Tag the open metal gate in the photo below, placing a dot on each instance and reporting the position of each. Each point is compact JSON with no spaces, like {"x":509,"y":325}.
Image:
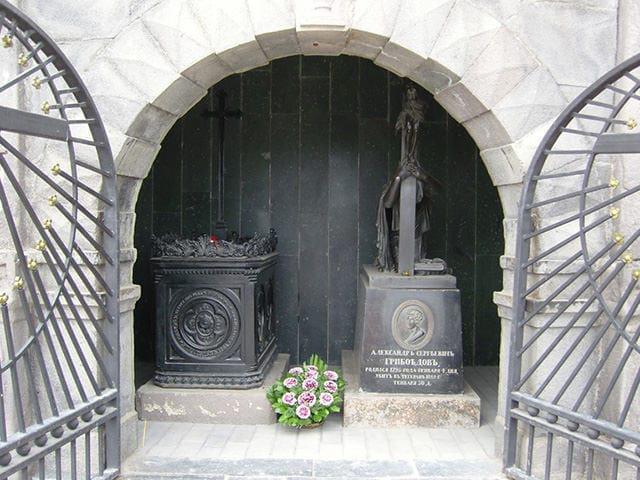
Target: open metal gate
{"x":573,"y":408}
{"x":59,"y":343}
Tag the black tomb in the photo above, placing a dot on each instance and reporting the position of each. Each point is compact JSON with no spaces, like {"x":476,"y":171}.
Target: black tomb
{"x":215,"y":316}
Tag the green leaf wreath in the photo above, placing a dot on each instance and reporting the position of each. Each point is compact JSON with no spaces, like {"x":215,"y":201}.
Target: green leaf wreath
{"x":306,"y":395}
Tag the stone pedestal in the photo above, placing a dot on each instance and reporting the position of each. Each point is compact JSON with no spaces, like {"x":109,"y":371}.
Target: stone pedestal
{"x":249,"y":407}
{"x":385,"y":410}
{"x":216,"y":326}
{"x":408,"y":334}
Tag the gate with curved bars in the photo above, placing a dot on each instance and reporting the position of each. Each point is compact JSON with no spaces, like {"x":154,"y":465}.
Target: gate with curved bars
{"x":59,"y":344}
{"x":573,"y":408}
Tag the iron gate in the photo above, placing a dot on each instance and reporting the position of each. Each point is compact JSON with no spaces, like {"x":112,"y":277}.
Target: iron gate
{"x":59,"y":343}
{"x":574,"y":369}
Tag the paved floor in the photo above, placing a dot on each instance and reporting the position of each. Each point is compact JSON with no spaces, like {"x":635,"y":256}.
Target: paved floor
{"x":196,"y":451}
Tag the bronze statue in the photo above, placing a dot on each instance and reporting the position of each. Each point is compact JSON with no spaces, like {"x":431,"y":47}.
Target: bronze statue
{"x":388,"y":221}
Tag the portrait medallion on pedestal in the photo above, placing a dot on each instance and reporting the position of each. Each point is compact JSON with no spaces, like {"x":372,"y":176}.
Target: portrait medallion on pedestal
{"x":412,"y":325}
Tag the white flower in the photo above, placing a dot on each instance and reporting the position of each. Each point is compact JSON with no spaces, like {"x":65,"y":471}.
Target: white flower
{"x":326,"y":399}
{"x":289,"y":399}
{"x":290,"y":382}
{"x":307,"y":398}
{"x":331,"y":375}
{"x":331,"y":386}
{"x":296,"y":371}
{"x":310,"y":384}
{"x":303,"y":412}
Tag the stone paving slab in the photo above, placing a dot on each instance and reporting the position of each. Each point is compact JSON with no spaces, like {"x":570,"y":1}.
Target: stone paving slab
{"x":177,"y":450}
{"x":292,"y":469}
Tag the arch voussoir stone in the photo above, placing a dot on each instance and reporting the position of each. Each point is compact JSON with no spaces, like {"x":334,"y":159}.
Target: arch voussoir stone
{"x":178,"y":31}
{"x":502,"y":65}
{"x":371,"y":26}
{"x":415,"y":32}
{"x":229,"y":28}
{"x":466,"y":33}
{"x":274,"y":27}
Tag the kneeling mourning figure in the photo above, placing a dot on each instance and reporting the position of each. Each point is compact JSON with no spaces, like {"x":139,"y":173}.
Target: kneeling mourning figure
{"x":216,"y":325}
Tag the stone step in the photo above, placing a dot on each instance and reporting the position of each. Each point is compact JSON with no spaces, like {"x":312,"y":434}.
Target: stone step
{"x":280,"y":469}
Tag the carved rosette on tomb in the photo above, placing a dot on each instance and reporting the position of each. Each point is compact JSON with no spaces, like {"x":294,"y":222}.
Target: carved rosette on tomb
{"x":214,"y":312}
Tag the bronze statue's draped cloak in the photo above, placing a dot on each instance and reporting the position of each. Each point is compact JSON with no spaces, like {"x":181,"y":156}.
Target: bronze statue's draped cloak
{"x":408,"y":124}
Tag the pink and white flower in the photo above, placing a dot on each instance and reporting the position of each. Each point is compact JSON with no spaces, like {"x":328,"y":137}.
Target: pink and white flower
{"x":310,"y":384}
{"x":312,"y":374}
{"x":289,"y":399}
{"x":296,"y":371}
{"x":307,"y":398}
{"x":331,"y":386}
{"x":303,"y":412}
{"x":290,"y":382}
{"x":326,"y":399}
{"x":311,"y":368}
{"x":331,"y":375}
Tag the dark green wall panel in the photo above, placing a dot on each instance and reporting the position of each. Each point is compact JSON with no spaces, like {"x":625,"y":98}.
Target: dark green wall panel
{"x":310,"y":156}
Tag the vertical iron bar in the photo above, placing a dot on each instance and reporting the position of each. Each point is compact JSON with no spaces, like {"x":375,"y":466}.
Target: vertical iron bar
{"x":3,"y":420}
{"x":58,"y":464}
{"x":614,"y":469}
{"x":74,"y":460}
{"x":569,"y":468}
{"x":531,"y":439}
{"x":87,"y":455}
{"x":13,"y":362}
{"x":547,"y":461}
{"x":101,"y":449}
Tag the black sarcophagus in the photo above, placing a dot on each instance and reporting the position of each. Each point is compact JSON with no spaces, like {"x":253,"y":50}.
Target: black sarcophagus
{"x":215,"y":313}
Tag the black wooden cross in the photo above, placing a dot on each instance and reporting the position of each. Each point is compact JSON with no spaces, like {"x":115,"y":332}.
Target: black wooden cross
{"x":220,"y":229}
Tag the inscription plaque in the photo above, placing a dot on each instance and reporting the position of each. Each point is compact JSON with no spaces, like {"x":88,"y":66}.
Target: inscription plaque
{"x":408,"y":336}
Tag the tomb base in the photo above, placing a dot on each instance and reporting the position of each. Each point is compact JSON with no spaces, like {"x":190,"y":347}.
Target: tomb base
{"x":408,"y":333}
{"x":368,"y":409}
{"x":219,"y":406}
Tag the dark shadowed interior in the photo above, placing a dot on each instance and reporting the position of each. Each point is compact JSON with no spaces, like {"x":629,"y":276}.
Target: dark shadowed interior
{"x":309,"y":157}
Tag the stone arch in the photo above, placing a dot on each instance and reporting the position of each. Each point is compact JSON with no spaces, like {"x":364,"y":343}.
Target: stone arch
{"x":157,"y":67}
{"x":164,"y":61}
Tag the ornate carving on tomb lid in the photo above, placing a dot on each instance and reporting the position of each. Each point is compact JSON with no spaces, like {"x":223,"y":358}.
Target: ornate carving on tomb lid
{"x":172,"y":245}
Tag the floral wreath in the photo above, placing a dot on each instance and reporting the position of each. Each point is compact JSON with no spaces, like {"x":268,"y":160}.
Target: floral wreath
{"x":307,"y":395}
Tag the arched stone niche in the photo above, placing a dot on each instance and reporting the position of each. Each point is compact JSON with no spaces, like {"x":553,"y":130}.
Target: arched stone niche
{"x":166,"y":54}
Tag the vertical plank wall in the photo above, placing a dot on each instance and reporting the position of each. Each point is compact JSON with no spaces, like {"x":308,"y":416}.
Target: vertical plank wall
{"x":309,"y":158}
